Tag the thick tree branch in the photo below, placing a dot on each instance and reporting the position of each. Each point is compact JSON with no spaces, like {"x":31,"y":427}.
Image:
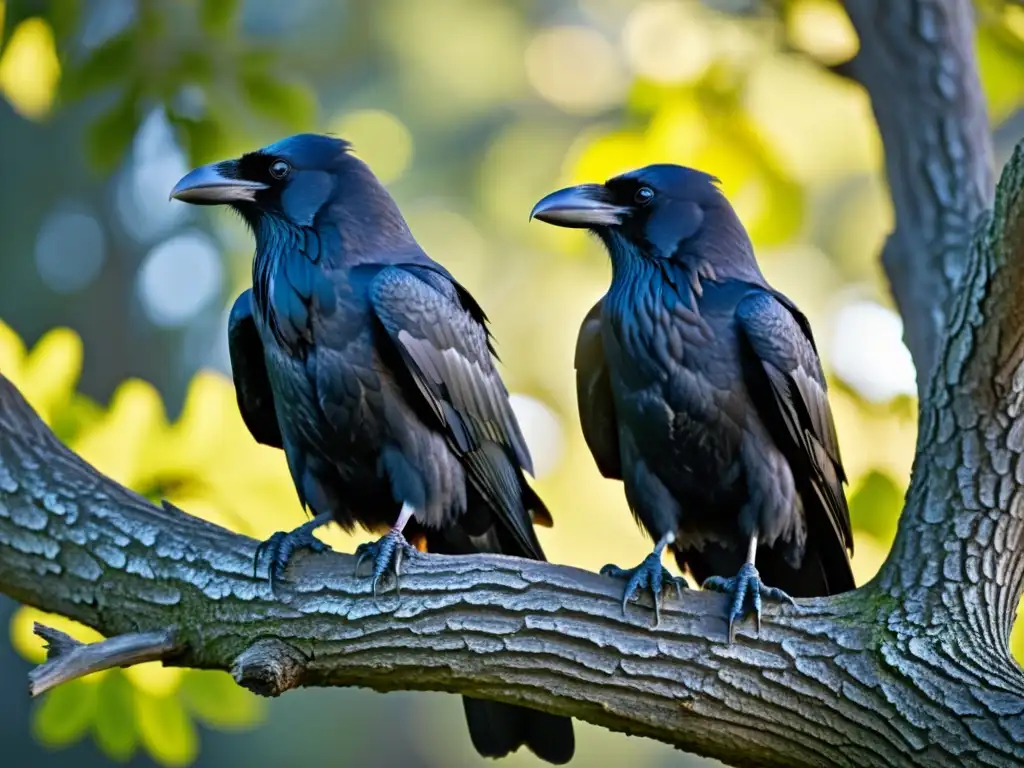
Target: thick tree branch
{"x":912,"y":669}
{"x":918,"y":65}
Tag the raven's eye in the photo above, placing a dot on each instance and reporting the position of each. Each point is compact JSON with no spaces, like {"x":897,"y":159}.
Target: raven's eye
{"x":279,"y":169}
{"x":643,"y":195}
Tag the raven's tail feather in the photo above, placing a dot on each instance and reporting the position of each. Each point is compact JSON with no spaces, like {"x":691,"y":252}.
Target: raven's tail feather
{"x":538,"y":510}
{"x":821,"y":573}
{"x":825,"y":568}
{"x":495,"y":728}
{"x":498,"y":729}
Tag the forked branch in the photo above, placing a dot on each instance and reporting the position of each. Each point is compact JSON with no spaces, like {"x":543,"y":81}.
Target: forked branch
{"x":67,"y":659}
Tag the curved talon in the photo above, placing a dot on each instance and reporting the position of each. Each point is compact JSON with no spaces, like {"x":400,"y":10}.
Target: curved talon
{"x":361,"y":555}
{"x":650,"y":573}
{"x":386,"y":553}
{"x":398,"y":570}
{"x":746,"y":582}
{"x":260,"y":549}
{"x":280,"y":547}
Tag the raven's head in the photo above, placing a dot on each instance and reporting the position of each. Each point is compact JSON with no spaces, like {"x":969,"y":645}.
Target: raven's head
{"x":306,"y":180}
{"x":658,"y":212}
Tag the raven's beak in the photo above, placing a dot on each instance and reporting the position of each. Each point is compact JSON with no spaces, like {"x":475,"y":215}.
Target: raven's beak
{"x":214,"y":184}
{"x":579,"y":207}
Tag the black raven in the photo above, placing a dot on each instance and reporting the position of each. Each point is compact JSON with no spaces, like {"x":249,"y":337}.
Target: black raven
{"x":372,"y":368}
{"x":700,"y":388}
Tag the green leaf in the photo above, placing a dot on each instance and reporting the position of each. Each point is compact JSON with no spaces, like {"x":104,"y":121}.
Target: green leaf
{"x":1001,"y":67}
{"x":106,"y":66}
{"x":646,"y":97}
{"x":65,"y":713}
{"x":110,"y":136}
{"x":784,"y":215}
{"x":875,"y":506}
{"x":289,"y":104}
{"x":114,"y":725}
{"x":219,"y":702}
{"x":257,"y":60}
{"x":166,"y":730}
{"x":204,"y":140}
{"x":151,"y":21}
{"x":79,"y":413}
{"x":192,"y":67}
{"x":217,"y":16}
{"x":64,"y":17}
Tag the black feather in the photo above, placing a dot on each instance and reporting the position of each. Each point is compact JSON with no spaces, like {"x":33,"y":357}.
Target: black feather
{"x":249,"y":373}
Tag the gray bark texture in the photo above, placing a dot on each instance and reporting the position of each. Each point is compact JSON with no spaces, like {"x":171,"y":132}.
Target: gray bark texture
{"x":913,"y":668}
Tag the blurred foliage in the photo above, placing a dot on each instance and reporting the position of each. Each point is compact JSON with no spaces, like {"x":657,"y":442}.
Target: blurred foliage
{"x":185,"y":56}
{"x":148,"y":706}
{"x":471,"y":110}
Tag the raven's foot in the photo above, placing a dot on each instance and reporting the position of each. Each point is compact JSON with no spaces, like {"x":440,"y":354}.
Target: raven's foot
{"x":746,"y":583}
{"x":649,"y":574}
{"x":280,"y":547}
{"x":387,"y":554}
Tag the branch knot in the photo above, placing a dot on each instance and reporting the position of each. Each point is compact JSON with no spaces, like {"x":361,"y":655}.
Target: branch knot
{"x":269,"y":667}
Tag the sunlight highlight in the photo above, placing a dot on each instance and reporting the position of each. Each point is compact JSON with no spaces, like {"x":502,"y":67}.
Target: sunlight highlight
{"x":576,"y":69}
{"x":379,"y":139}
{"x":29,"y":69}
{"x":868,"y":352}
{"x":666,"y":42}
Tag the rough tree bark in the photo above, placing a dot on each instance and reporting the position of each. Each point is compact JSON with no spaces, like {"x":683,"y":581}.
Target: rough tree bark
{"x":911,"y":669}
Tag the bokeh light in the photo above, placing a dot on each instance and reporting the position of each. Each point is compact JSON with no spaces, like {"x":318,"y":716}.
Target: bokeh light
{"x":379,"y":138}
{"x":542,"y":431}
{"x":29,"y":69}
{"x":70,"y":249}
{"x":820,"y":126}
{"x":450,"y":237}
{"x":665,"y":41}
{"x":156,"y":165}
{"x":179,"y":278}
{"x":868,"y":352}
{"x":575,"y":68}
{"x":478,"y":64}
{"x":822,"y":28}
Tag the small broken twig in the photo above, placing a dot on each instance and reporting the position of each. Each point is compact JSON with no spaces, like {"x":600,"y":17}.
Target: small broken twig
{"x":69,"y":659}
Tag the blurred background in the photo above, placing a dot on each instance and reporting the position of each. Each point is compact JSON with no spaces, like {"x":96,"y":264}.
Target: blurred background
{"x":113,"y":301}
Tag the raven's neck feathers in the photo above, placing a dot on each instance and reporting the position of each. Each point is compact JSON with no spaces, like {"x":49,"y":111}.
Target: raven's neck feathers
{"x":368,"y":225}
{"x":722,"y":243}
{"x":354,"y":227}
{"x":720,"y":250}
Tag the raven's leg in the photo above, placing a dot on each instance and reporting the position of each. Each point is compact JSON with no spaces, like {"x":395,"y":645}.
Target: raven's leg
{"x":282,"y":545}
{"x":387,"y":552}
{"x":650,"y":573}
{"x":746,"y":582}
